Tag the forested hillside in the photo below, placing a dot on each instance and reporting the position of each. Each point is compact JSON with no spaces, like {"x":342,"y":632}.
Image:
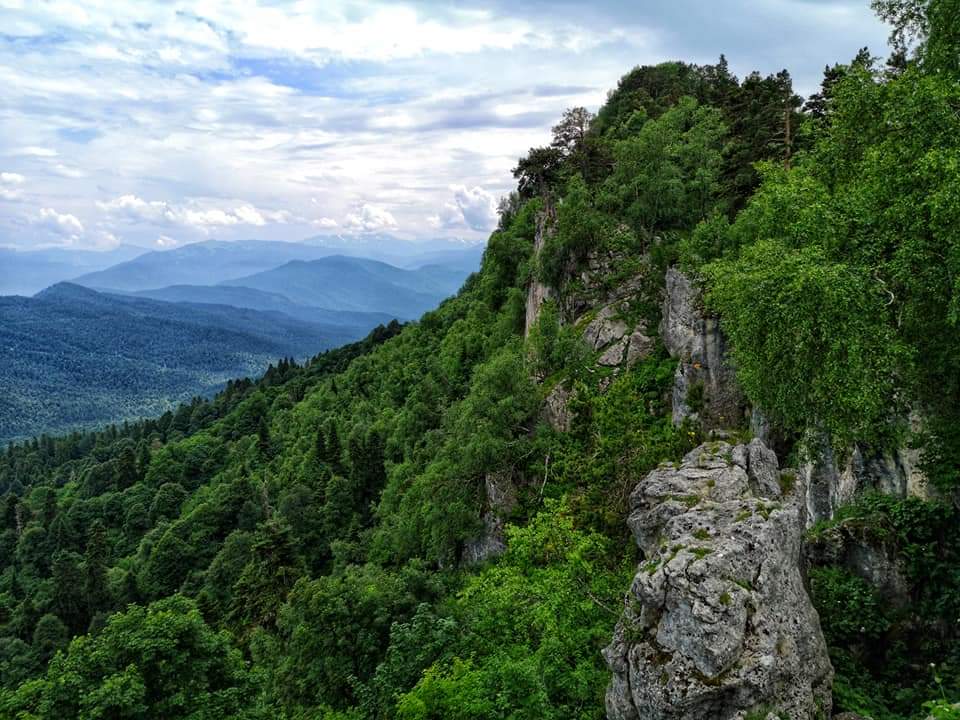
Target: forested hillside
{"x":432,"y":523}
{"x":72,"y":358}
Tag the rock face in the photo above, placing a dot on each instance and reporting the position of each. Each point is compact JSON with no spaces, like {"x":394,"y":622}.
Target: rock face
{"x":501,"y":498}
{"x":537,"y":292}
{"x":831,"y":481}
{"x":717,"y":623}
{"x":608,"y":332}
{"x":705,"y":386}
{"x":556,"y":409}
{"x":865,"y":551}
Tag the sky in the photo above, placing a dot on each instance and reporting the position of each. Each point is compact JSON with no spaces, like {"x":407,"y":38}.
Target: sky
{"x":162,"y":123}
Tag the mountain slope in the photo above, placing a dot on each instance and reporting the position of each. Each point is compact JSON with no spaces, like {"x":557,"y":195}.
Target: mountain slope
{"x":71,"y":357}
{"x":433,"y":524}
{"x":355,"y":284}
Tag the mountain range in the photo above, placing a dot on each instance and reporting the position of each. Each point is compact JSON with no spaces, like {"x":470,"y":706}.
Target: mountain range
{"x":357,"y":284}
{"x":154,"y":328}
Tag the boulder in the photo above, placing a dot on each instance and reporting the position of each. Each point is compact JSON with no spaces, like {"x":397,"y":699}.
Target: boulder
{"x":605,"y":328}
{"x":639,"y":348}
{"x":718,"y":623}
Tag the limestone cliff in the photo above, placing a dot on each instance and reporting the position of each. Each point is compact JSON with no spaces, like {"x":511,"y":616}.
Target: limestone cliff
{"x":705,"y":386}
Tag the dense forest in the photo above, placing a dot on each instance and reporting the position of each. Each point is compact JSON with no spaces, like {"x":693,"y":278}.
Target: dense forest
{"x":306,"y":545}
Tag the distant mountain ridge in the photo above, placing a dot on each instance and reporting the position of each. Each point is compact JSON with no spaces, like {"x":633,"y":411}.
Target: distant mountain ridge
{"x":71,"y":357}
{"x":253,"y":299}
{"x":213,"y":262}
{"x":338,"y":282}
{"x":25,"y":272}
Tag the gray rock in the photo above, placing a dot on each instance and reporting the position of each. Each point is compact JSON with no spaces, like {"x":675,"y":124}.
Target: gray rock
{"x":501,"y":498}
{"x":865,"y":551}
{"x":613,"y":355}
{"x":604,"y":329}
{"x":832,"y":480}
{"x":538,"y":292}
{"x":705,"y":386}
{"x":717,"y":622}
{"x":640,"y":347}
{"x":556,"y":409}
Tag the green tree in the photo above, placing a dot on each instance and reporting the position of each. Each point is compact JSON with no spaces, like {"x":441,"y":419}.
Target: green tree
{"x":162,"y":661}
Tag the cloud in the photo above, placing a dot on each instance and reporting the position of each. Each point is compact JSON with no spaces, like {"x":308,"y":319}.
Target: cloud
{"x":370,"y":218}
{"x":196,"y":214}
{"x":184,"y":120}
{"x":106,"y":240}
{"x":165,"y":241}
{"x":138,"y":209}
{"x":473,"y":208}
{"x":8,"y":185}
{"x":35,"y":151}
{"x":64,"y":225}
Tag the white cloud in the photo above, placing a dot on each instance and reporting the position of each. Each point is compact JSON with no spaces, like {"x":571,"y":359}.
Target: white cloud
{"x":67,"y":171}
{"x":35,"y":151}
{"x":65,"y":225}
{"x":106,"y":240}
{"x":472,"y":208}
{"x":198,"y":214}
{"x":370,"y":218}
{"x":136,"y":208}
{"x":229,"y":117}
{"x":166,"y":241}
{"x":8,"y":185}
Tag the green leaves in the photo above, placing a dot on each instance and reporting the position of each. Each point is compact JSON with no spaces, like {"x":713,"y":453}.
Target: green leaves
{"x":159,"y":661}
{"x":811,"y":341}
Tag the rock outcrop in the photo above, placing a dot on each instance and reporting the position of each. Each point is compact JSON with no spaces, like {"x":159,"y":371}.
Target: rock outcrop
{"x":538,"y":292}
{"x":717,"y":623}
{"x":832,"y":481}
{"x":705,"y":386}
{"x":501,"y":498}
{"x":556,"y":408}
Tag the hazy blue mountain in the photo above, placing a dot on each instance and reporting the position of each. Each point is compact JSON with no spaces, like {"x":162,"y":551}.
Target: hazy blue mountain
{"x":213,"y":262}
{"x":71,"y":357}
{"x":357,"y":284}
{"x":404,"y":253}
{"x":24,"y":272}
{"x":466,"y":259}
{"x":246,"y":297}
{"x":204,"y":263}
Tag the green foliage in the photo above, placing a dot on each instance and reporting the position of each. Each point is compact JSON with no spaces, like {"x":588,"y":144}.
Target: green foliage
{"x":318,"y":520}
{"x":160,"y":661}
{"x":537,"y":621}
{"x":667,"y":175}
{"x":883,"y":651}
{"x":811,"y":339}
